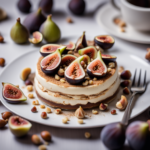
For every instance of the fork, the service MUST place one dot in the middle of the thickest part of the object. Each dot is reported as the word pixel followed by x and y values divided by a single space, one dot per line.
pixel 136 88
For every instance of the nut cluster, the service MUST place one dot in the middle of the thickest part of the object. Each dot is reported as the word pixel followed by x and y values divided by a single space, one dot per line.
pixel 103 106
pixel 120 23
pixel 122 103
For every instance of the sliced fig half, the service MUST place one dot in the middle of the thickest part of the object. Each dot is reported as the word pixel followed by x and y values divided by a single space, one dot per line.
pixel 12 94
pixel 49 48
pixel 104 41
pixel 51 63
pixel 97 67
pixel 81 43
pixel 19 126
pixel 71 46
pixel 86 59
pixel 67 59
pixel 108 58
pixel 91 51
pixel 37 38
pixel 75 74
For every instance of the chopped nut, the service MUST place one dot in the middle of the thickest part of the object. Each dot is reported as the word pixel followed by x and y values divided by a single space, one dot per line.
pixel 117 21
pixel 109 69
pixel 35 139
pixel 42 147
pixel 111 65
pixel 34 109
pixel 25 73
pixel 85 70
pixel 61 72
pixel 122 24
pixel 94 79
pixel 42 106
pixel 122 103
pixel 103 106
pixel 85 83
pixel 48 110
pixel 87 135
pixel 44 115
pixel 2 62
pixel 85 66
pixel 121 69
pixel 91 82
pixel 113 112
pixel 30 95
pixel 17 86
pixel 57 77
pixel 87 78
pixel 122 29
pixel 79 113
pixel 36 102
pixel 65 120
pixel 46 143
pixel 126 91
pixel 30 88
pixel 62 80
pixel 58 111
pixel 147 56
pixel 95 112
pixel 1 39
pixel 69 20
pixel 70 52
pixel 80 121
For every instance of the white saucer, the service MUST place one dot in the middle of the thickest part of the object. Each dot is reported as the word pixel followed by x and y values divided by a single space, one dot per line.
pixel 104 18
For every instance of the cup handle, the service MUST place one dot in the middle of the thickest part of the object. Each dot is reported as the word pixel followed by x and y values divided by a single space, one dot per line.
pixel 114 5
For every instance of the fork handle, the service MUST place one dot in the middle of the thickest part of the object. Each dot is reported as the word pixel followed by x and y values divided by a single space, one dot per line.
pixel 126 115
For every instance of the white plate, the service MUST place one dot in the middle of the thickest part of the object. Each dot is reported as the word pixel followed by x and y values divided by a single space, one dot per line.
pixel 12 72
pixel 104 18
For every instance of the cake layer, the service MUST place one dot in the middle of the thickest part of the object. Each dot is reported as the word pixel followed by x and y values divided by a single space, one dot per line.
pixel 49 83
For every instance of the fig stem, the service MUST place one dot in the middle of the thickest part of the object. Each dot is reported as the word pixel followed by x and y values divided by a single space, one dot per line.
pixel 39 10
pixel 49 17
pixel 18 20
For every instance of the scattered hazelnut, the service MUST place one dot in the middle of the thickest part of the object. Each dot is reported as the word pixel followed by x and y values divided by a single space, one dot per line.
pixel 70 52
pixel 42 106
pixel 113 112
pixel 61 72
pixel 109 69
pixel 46 135
pixel 94 79
pixel 44 115
pixel 17 86
pixel 48 110
pixel 126 91
pixel 94 112
pixel 1 39
pixel 69 20
pixel 62 80
pixel 117 21
pixel 122 24
pixel 34 109
pixel 2 123
pixel 121 69
pixel 90 82
pixel 122 103
pixel 28 82
pixel 87 78
pixel 57 77
pixel 87 135
pixel 111 65
pixel 35 139
pixel 36 102
pixel 65 120
pixel 30 88
pixel 126 75
pixel 30 95
pixel 103 106
pixel 80 121
pixel 125 83
pixel 85 83
pixel 25 73
pixel 2 62
pixel 79 113
pixel 42 147
pixel 147 56
pixel 58 111
pixel 6 115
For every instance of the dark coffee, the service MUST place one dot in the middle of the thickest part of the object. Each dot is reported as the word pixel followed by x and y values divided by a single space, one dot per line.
pixel 140 3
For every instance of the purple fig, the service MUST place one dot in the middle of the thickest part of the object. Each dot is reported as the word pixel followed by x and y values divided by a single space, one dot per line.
pixel 46 5
pixel 24 6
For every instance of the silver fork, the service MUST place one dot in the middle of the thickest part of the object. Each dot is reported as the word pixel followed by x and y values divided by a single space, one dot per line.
pixel 136 88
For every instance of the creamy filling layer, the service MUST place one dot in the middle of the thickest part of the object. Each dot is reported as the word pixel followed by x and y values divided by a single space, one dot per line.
pixel 68 99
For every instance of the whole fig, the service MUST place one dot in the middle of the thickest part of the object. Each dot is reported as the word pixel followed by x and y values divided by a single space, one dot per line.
pixel 34 20
pixel 24 6
pixel 46 5
pixel 113 136
pixel 51 32
pixel 137 135
pixel 19 33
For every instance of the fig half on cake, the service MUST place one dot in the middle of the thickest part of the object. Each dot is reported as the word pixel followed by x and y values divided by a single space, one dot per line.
pixel 51 63
pixel 75 74
pixel 67 59
pixel 108 58
pixel 97 67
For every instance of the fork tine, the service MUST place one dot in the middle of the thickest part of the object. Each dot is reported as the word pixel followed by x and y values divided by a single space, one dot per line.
pixel 133 83
pixel 139 78
pixel 144 78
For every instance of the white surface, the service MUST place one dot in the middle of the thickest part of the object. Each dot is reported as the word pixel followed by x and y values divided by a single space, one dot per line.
pixel 105 20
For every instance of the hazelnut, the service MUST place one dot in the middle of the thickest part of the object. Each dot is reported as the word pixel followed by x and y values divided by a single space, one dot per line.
pixel 85 83
pixel 125 83
pixel 44 115
pixel 126 91
pixel 103 106
pixel 79 113
pixel 87 78
pixel 117 21
pixel 28 82
pixel 36 102
pixel 126 75
pixel 48 110
pixel 90 82
pixel 65 120
pixel 2 62
pixel 6 115
pixel 46 135
pixel 87 135
pixel 69 20
pixel 122 24
pixel 121 69
pixel 122 103
pixel 42 106
pixel 61 72
pixel 95 112
pixel 25 73
pixel 58 111
pixel 2 123
pixel 94 79
pixel 30 95
pixel 113 112
pixel 109 69
pixel 147 56
pixel 17 86
pixel 34 109
pixel 57 77
pixel 35 139
pixel 1 39
pixel 111 65
pixel 62 80
pixel 70 52
pixel 80 121
pixel 42 147
pixel 30 88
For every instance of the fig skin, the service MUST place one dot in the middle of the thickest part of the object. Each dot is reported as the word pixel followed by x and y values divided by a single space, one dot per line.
pixel 19 126
pixel 34 20
pixel 67 59
pixel 138 135
pixel 19 34
pixel 50 30
pixel 24 6
pixel 71 46
pixel 113 136
pixel 108 58
pixel 106 43
pixel 46 5
pixel 77 7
